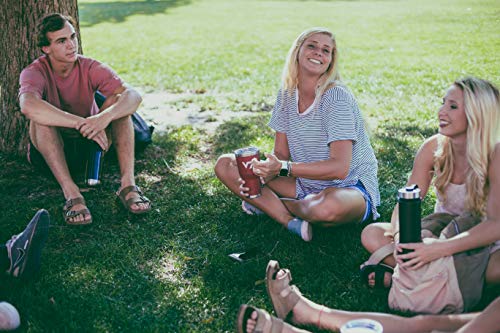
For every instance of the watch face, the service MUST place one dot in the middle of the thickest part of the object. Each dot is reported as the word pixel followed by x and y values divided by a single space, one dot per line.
pixel 284 169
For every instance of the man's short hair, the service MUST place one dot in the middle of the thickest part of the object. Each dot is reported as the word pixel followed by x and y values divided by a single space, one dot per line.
pixel 50 23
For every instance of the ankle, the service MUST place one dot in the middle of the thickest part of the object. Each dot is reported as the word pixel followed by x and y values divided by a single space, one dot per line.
pixel 127 181
pixel 301 228
pixel 72 193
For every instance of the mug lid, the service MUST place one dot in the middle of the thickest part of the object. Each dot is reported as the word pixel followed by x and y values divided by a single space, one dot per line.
pixel 409 192
pixel 247 151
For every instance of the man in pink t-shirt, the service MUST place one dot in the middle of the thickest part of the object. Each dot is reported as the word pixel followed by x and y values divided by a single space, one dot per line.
pixel 57 95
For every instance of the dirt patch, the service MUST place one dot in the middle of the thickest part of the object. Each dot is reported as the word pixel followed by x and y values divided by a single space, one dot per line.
pixel 162 110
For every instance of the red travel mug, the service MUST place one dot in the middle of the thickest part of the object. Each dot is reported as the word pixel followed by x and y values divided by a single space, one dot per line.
pixel 244 157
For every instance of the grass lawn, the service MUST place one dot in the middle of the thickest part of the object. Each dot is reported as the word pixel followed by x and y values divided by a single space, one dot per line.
pixel 169 271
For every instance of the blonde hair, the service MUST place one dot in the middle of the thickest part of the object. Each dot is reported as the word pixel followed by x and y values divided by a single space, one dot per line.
pixel 482 110
pixel 290 77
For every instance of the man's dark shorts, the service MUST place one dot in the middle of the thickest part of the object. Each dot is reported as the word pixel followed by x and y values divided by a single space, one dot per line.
pixel 76 151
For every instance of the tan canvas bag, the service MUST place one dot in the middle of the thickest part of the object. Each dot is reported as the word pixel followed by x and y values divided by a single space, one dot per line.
pixel 451 284
pixel 432 288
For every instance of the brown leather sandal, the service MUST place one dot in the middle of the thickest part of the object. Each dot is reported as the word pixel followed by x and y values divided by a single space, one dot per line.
pixel 139 198
pixel 265 323
pixel 69 214
pixel 283 295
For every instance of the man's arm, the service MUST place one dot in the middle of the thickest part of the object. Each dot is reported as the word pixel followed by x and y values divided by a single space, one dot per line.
pixel 124 102
pixel 41 112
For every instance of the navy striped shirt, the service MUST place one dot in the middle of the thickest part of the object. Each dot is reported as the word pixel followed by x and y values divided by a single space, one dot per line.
pixel 333 117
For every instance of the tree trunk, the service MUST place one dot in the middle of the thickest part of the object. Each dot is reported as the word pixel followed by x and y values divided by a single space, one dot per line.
pixel 18 21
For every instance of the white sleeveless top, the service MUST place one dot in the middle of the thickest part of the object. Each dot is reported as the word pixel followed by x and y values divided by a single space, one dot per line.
pixel 455 204
pixel 455 200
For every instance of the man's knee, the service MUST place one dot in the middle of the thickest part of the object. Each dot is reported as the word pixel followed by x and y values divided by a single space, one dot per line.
pixel 45 138
pixel 122 131
pixel 123 124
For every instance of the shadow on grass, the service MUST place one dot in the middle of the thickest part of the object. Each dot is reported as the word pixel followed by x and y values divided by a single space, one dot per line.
pixel 169 270
pixel 395 148
pixel 238 133
pixel 116 12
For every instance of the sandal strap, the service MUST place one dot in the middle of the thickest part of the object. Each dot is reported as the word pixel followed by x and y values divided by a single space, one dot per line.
pixel 137 200
pixel 263 317
pixel 379 255
pixel 126 190
pixel 73 213
pixel 283 295
pixel 75 201
pixel 283 282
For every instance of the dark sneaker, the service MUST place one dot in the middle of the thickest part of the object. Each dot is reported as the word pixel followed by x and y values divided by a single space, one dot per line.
pixel 250 209
pixel 24 250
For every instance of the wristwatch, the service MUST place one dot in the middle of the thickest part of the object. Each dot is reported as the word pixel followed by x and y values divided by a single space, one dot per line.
pixel 284 169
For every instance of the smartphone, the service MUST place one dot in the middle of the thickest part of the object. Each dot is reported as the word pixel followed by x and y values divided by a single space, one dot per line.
pixel 243 256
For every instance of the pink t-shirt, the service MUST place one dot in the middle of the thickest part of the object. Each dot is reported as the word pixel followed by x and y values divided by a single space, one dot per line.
pixel 75 93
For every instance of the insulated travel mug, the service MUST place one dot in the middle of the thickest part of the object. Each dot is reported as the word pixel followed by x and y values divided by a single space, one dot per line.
pixel 409 215
pixel 94 165
pixel 244 157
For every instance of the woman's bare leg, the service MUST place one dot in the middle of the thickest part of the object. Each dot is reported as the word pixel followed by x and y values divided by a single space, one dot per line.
pixel 306 312
pixel 487 321
pixel 330 207
pixel 269 202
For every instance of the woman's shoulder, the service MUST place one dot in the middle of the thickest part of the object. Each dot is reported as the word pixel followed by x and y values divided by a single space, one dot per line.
pixel 429 147
pixel 495 158
pixel 338 91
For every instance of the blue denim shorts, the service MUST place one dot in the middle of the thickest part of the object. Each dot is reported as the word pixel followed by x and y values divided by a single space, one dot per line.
pixel 368 210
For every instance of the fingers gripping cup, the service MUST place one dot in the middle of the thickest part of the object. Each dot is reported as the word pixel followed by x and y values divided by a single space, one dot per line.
pixel 244 157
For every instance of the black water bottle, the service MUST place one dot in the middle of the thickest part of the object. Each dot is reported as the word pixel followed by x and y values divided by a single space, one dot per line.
pixel 409 215
pixel 94 165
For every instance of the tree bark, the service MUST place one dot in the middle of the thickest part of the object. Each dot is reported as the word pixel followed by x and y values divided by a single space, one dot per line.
pixel 18 21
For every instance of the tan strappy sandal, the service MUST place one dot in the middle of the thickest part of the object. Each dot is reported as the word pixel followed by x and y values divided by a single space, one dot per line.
pixel 283 296
pixel 265 323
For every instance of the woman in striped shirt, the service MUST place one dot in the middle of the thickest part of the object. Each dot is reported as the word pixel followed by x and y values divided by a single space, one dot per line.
pixel 322 170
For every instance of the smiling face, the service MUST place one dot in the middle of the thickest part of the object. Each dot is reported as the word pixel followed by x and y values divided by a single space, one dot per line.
pixel 315 54
pixel 452 118
pixel 63 47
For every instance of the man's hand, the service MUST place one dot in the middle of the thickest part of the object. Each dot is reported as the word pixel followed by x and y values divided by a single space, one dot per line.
pixel 102 140
pixel 91 126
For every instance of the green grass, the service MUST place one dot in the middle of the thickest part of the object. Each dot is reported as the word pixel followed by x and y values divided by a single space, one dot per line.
pixel 169 271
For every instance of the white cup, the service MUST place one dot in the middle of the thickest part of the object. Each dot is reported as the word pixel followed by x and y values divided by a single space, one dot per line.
pixel 362 326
